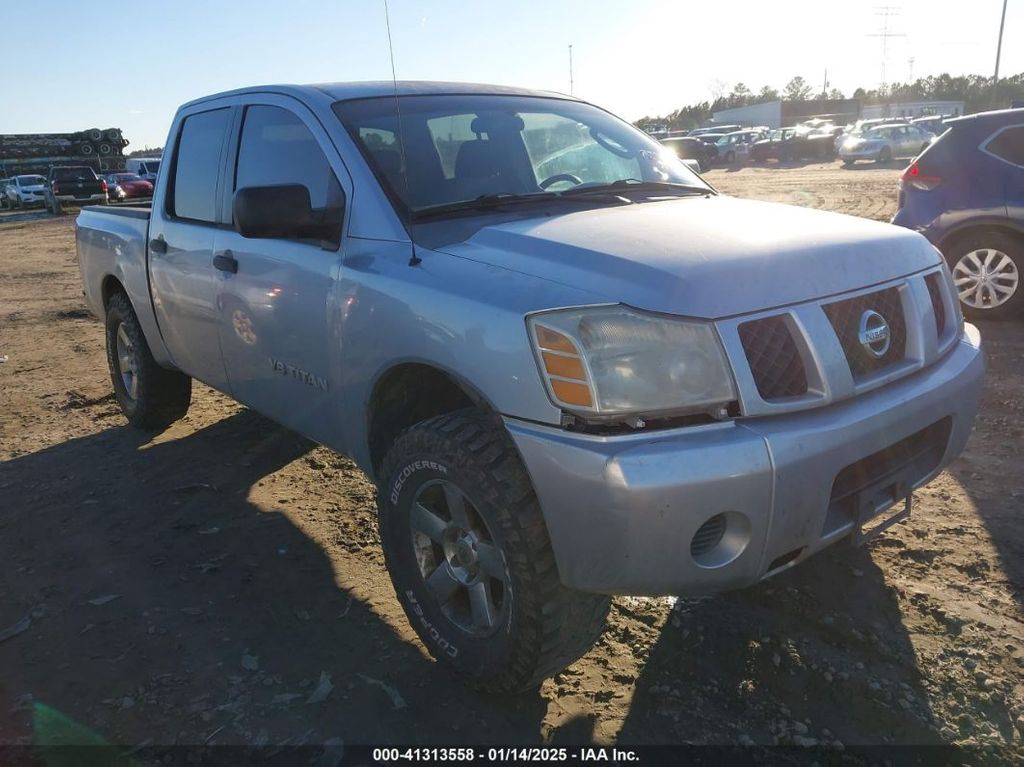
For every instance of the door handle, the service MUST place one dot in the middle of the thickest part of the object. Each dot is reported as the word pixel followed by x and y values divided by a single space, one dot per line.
pixel 225 262
pixel 158 245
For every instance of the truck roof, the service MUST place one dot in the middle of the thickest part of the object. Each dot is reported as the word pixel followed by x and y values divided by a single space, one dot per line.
pixel 374 88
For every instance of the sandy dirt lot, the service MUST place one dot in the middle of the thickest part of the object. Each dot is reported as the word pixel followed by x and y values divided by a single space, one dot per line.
pixel 222 582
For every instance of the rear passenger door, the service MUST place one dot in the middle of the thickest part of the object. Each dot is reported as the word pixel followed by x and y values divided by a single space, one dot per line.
pixel 181 233
pixel 276 311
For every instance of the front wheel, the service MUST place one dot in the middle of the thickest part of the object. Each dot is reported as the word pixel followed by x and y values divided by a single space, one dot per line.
pixel 470 558
pixel 987 267
pixel 151 397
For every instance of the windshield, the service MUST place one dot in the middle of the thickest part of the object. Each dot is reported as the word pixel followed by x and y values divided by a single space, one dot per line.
pixel 152 166
pixel 459 148
pixel 31 180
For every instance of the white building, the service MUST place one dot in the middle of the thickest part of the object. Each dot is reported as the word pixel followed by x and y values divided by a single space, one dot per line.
pixel 911 109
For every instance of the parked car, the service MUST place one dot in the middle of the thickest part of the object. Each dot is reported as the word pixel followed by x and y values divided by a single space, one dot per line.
pixel 572 371
pixel 146 167
pixel 790 144
pixel 688 148
pixel 4 202
pixel 965 193
pixel 736 145
pixel 25 190
pixel 885 143
pixel 720 129
pixel 857 129
pixel 932 123
pixel 127 186
pixel 73 184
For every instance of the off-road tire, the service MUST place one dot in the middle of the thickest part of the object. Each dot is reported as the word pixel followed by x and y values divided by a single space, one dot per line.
pixel 980 239
pixel 162 395
pixel 547 626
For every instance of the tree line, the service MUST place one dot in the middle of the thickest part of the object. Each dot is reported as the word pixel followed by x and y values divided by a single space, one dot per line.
pixel 975 91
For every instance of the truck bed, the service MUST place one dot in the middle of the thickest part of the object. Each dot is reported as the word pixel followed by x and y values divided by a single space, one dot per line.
pixel 111 244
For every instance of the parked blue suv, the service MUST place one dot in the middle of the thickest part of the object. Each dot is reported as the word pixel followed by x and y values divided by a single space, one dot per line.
pixel 965 193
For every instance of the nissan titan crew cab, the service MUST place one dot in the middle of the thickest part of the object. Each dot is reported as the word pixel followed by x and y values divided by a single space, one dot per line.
pixel 572 368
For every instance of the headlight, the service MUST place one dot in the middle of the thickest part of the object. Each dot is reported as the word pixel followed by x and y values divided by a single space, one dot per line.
pixel 612 360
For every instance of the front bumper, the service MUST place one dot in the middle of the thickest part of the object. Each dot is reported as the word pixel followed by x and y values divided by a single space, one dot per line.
pixel 621 511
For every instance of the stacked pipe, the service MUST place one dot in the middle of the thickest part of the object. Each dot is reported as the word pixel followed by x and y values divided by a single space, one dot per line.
pixel 37 152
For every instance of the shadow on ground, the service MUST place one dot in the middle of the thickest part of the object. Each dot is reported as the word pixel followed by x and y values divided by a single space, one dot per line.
pixel 166 607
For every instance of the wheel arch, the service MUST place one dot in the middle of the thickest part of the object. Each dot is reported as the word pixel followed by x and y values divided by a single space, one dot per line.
pixel 409 392
pixel 110 285
pixel 1001 225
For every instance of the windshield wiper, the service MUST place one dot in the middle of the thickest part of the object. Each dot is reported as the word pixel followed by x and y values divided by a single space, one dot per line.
pixel 490 201
pixel 635 185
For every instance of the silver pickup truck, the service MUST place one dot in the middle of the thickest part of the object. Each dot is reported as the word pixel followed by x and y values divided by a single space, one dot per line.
pixel 572 367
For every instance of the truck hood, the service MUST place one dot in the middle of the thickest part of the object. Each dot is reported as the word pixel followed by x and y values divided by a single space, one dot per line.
pixel 700 256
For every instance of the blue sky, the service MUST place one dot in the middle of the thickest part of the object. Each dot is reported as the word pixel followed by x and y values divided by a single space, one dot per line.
pixel 83 65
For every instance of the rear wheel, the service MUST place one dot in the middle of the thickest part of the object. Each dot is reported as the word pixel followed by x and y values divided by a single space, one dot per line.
pixel 988 267
pixel 470 558
pixel 151 397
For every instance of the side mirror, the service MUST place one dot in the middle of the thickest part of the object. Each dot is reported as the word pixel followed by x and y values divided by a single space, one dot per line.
pixel 283 212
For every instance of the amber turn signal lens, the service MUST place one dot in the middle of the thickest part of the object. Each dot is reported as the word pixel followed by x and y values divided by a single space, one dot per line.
pixel 572 393
pixel 564 367
pixel 556 342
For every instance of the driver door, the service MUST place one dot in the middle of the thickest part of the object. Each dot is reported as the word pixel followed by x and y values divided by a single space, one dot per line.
pixel 275 297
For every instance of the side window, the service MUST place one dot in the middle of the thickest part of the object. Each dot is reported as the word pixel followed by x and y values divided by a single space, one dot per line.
pixel 277 148
pixel 1008 145
pixel 198 165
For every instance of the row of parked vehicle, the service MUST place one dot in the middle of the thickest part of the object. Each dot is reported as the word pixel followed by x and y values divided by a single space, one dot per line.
pixel 881 140
pixel 79 184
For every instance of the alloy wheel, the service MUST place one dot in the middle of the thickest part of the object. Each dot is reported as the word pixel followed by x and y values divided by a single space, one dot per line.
pixel 127 363
pixel 460 562
pixel 985 278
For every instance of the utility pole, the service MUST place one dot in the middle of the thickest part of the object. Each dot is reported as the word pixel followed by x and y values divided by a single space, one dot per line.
pixel 824 85
pixel 570 71
pixel 910 70
pixel 999 50
pixel 885 12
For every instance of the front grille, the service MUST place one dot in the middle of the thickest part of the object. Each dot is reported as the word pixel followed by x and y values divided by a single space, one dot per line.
pixel 774 358
pixel 708 535
pixel 845 317
pixel 934 283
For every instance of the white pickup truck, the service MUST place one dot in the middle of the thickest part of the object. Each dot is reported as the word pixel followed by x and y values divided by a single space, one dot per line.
pixel 572 368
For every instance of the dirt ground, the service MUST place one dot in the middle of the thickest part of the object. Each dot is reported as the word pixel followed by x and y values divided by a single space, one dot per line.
pixel 212 583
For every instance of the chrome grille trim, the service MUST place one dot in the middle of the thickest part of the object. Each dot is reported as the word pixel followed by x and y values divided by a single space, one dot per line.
pixel 827 367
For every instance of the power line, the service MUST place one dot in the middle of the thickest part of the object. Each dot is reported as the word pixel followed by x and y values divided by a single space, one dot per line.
pixel 885 12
